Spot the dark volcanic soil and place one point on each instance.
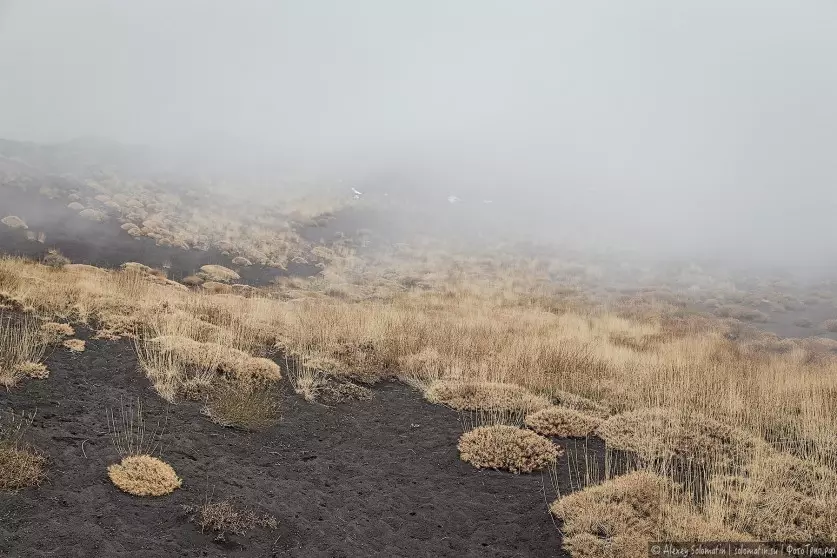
(366, 478)
(106, 244)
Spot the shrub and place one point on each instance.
(559, 421)
(55, 259)
(75, 206)
(242, 261)
(506, 447)
(484, 396)
(620, 517)
(56, 330)
(144, 475)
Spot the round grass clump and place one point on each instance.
(484, 396)
(144, 475)
(562, 422)
(663, 433)
(507, 447)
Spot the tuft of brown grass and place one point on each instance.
(218, 273)
(484, 396)
(224, 518)
(661, 433)
(780, 497)
(20, 465)
(144, 475)
(507, 447)
(246, 407)
(621, 516)
(192, 281)
(307, 381)
(57, 330)
(74, 345)
(562, 422)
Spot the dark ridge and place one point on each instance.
(105, 244)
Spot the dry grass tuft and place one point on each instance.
(562, 422)
(341, 391)
(484, 396)
(507, 447)
(580, 404)
(144, 475)
(307, 381)
(780, 497)
(661, 433)
(620, 517)
(176, 363)
(74, 345)
(218, 273)
(224, 518)
(214, 287)
(22, 348)
(20, 466)
(57, 330)
(242, 406)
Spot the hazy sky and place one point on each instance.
(693, 124)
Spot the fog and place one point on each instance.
(702, 128)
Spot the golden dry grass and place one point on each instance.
(144, 475)
(22, 348)
(74, 345)
(20, 465)
(57, 330)
(620, 517)
(245, 406)
(484, 396)
(661, 433)
(507, 447)
(563, 422)
(218, 273)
